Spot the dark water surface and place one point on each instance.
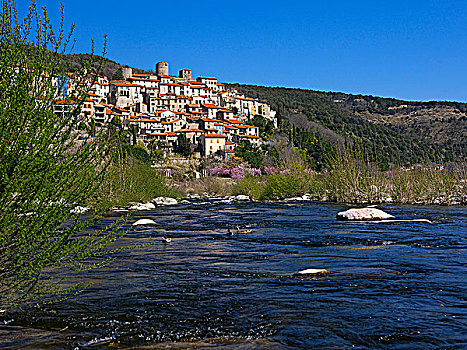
(398, 286)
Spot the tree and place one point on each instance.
(183, 146)
(47, 167)
(133, 128)
(118, 75)
(250, 154)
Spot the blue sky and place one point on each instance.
(415, 50)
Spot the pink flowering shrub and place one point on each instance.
(253, 171)
(269, 170)
(237, 173)
(219, 171)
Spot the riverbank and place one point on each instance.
(416, 186)
(347, 180)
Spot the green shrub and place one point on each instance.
(250, 186)
(131, 181)
(137, 152)
(281, 186)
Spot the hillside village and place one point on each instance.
(157, 108)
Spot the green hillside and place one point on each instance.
(391, 130)
(109, 67)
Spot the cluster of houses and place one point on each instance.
(158, 107)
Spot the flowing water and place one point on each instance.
(398, 286)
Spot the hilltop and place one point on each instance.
(76, 61)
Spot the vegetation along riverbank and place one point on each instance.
(348, 178)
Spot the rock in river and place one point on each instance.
(360, 214)
(144, 222)
(164, 201)
(143, 206)
(312, 272)
(242, 197)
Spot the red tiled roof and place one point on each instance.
(215, 135)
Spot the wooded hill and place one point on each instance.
(401, 132)
(109, 67)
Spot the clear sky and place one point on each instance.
(411, 49)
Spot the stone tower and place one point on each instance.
(162, 68)
(184, 73)
(127, 73)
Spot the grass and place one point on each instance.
(206, 186)
(352, 179)
(131, 181)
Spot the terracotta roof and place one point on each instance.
(234, 121)
(144, 79)
(215, 135)
(189, 130)
(124, 83)
(209, 105)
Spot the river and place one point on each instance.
(391, 285)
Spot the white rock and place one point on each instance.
(79, 210)
(294, 199)
(144, 222)
(120, 210)
(150, 205)
(360, 214)
(426, 221)
(242, 197)
(139, 206)
(312, 271)
(164, 201)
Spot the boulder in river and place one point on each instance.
(242, 197)
(312, 272)
(164, 201)
(143, 206)
(144, 222)
(363, 214)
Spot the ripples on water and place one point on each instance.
(395, 286)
